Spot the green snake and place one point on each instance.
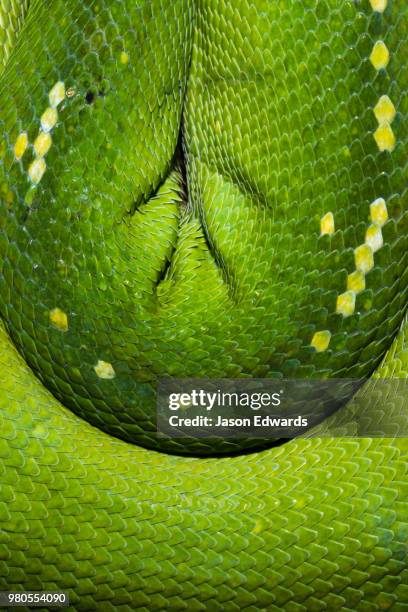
(199, 188)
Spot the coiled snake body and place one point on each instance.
(206, 188)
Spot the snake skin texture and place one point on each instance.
(199, 188)
(12, 14)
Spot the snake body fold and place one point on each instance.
(199, 189)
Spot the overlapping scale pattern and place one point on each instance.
(199, 188)
(12, 14)
(149, 234)
(313, 525)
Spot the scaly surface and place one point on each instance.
(199, 188)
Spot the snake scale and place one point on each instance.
(209, 188)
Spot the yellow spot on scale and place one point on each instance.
(384, 110)
(380, 56)
(384, 137)
(356, 282)
(346, 303)
(379, 5)
(379, 212)
(42, 143)
(20, 145)
(321, 340)
(48, 119)
(327, 224)
(104, 370)
(57, 94)
(124, 58)
(36, 170)
(363, 256)
(374, 237)
(59, 319)
(258, 527)
(217, 127)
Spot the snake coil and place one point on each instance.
(199, 188)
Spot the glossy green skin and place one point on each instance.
(224, 277)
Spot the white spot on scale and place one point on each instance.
(346, 303)
(327, 224)
(36, 170)
(374, 237)
(57, 94)
(104, 370)
(384, 110)
(364, 259)
(379, 5)
(48, 119)
(379, 212)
